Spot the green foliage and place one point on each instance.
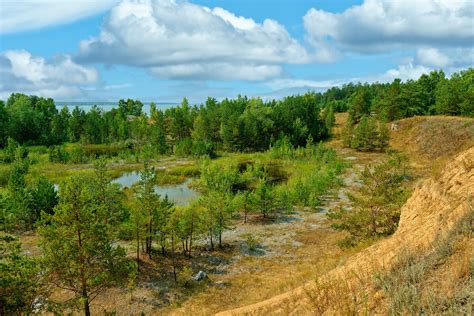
(13, 150)
(78, 155)
(264, 197)
(377, 203)
(217, 198)
(20, 280)
(368, 135)
(78, 250)
(58, 154)
(455, 96)
(251, 242)
(329, 118)
(240, 124)
(184, 147)
(43, 198)
(359, 104)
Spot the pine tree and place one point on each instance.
(78, 251)
(376, 203)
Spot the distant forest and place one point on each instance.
(241, 124)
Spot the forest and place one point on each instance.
(249, 160)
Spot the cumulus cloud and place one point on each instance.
(382, 25)
(432, 56)
(57, 78)
(184, 40)
(16, 16)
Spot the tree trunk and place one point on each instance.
(87, 310)
(85, 295)
(163, 250)
(148, 239)
(220, 238)
(190, 244)
(373, 218)
(173, 257)
(138, 249)
(210, 238)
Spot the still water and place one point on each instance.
(180, 194)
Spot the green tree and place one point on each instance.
(359, 104)
(377, 203)
(217, 198)
(76, 124)
(330, 118)
(78, 252)
(20, 280)
(3, 124)
(149, 203)
(108, 195)
(263, 197)
(43, 198)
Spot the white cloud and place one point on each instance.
(288, 83)
(382, 25)
(432, 56)
(404, 72)
(57, 78)
(22, 15)
(183, 40)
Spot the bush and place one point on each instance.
(184, 147)
(185, 277)
(203, 149)
(4, 177)
(58, 154)
(13, 150)
(78, 156)
(251, 241)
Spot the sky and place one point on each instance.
(164, 50)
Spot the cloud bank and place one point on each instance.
(176, 40)
(384, 25)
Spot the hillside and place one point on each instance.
(430, 243)
(431, 141)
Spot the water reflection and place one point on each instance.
(181, 194)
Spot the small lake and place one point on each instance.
(180, 194)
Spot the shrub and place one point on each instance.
(203, 149)
(58, 154)
(78, 155)
(184, 147)
(13, 150)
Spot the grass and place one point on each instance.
(431, 141)
(440, 281)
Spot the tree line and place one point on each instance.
(240, 124)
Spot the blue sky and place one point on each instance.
(163, 50)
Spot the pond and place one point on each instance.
(180, 194)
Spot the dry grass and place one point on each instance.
(431, 141)
(437, 281)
